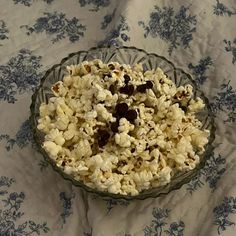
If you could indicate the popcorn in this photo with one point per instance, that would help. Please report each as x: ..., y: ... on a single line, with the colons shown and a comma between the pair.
x: 52, y: 148
x: 123, y: 139
x: 119, y: 129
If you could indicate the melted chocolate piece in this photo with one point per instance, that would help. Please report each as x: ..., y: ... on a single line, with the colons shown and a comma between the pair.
x: 112, y: 89
x: 127, y: 89
x: 103, y: 137
x: 121, y: 109
x: 149, y: 84
x: 131, y: 115
x: 141, y: 88
x: 127, y: 78
x: 114, y: 126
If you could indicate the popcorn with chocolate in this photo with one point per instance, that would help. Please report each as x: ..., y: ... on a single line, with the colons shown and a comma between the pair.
x: 120, y: 129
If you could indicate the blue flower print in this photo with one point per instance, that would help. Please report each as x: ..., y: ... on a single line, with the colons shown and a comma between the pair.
x: 23, y: 137
x: 231, y: 47
x: 118, y: 35
x: 3, y: 31
x: 222, y: 212
x: 108, y: 19
x: 176, y: 229
x: 11, y: 223
x: 221, y: 10
x: 20, y: 74
x: 211, y: 173
x: 5, y: 182
x: 159, y: 224
x: 57, y: 24
x: 28, y: 3
x: 97, y: 4
x: 66, y: 200
x: 225, y: 102
x: 199, y: 70
x: 176, y: 28
x: 110, y: 203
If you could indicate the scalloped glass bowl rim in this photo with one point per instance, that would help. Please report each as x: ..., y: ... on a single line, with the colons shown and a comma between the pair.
x: 153, y: 192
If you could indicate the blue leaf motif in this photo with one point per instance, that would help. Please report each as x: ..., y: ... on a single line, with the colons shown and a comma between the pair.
x: 225, y: 102
x: 97, y: 4
x: 57, y: 24
x: 10, y: 215
x: 176, y: 28
x: 176, y: 229
x: 20, y: 74
x: 221, y: 10
x: 199, y: 70
x: 110, y: 203
x: 158, y: 225
x: 28, y: 3
x: 23, y: 137
x: 3, y: 31
x: 118, y: 35
x: 222, y: 212
x: 107, y: 19
x: 211, y: 173
x: 231, y: 48
x: 66, y: 200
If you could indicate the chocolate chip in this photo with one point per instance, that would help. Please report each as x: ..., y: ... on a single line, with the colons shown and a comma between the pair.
x: 111, y: 66
x: 127, y: 89
x: 141, y: 88
x: 114, y: 126
x: 149, y: 84
x: 127, y: 78
x: 103, y: 137
x: 131, y: 115
x: 121, y: 68
x: 121, y: 108
x: 112, y: 89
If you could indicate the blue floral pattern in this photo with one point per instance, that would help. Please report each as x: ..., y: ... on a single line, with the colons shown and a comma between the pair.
x: 222, y: 213
x: 66, y: 200
x: 231, y: 47
x: 20, y: 74
x: 181, y: 29
x: 23, y: 137
x: 211, y: 174
x: 159, y: 224
x: 97, y: 4
x: 225, y: 102
x: 28, y: 3
x: 110, y: 203
x: 200, y: 69
x: 221, y: 10
x: 118, y: 35
x: 10, y: 213
x: 107, y: 19
x: 3, y: 31
x: 176, y: 28
x: 56, y: 23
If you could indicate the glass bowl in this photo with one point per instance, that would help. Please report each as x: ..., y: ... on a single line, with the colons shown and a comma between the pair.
x: 126, y: 55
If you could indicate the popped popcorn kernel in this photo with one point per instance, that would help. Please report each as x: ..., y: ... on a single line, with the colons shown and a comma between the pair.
x: 120, y: 129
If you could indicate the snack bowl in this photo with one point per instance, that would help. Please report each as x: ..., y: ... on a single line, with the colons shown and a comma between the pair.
x: 131, y: 56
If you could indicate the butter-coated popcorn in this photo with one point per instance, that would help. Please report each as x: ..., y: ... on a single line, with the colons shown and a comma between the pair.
x: 120, y: 129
